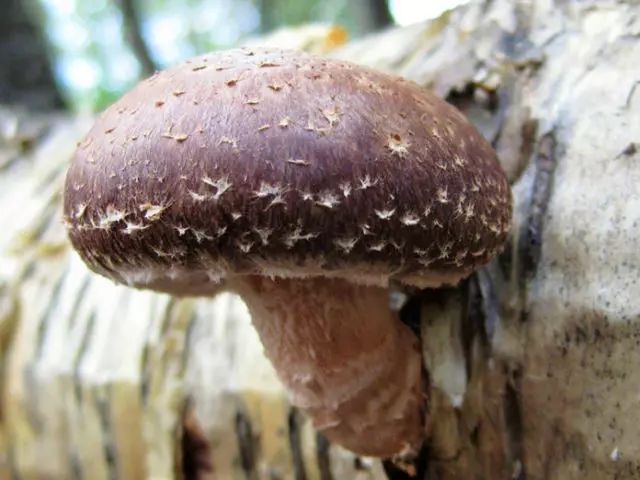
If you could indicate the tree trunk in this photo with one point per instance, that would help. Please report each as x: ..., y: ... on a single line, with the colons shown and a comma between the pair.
x: 26, y: 76
x: 531, y: 361
x: 132, y: 27
x: 380, y: 14
x: 370, y: 15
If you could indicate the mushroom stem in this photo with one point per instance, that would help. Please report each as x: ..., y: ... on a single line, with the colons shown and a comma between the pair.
x: 346, y: 360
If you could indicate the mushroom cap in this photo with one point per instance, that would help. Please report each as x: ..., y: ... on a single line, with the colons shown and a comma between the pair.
x: 281, y: 163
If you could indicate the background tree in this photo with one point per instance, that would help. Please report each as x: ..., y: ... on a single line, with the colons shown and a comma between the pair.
x: 131, y: 24
x: 26, y: 74
x: 101, y: 49
x: 370, y: 15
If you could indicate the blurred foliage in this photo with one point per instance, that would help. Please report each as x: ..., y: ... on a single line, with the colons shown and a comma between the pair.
x: 96, y: 59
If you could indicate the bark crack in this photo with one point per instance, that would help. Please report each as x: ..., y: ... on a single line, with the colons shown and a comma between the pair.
x: 530, y: 244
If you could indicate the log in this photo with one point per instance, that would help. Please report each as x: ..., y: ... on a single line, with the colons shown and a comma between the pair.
x: 531, y: 360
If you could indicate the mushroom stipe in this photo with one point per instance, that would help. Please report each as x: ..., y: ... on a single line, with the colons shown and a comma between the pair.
x: 305, y: 185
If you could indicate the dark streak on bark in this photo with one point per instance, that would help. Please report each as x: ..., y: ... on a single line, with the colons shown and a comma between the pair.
x: 246, y: 445
x: 472, y: 318
x: 167, y: 326
x: 145, y: 377
x: 49, y: 213
x: 108, y: 448
x: 503, y: 101
x: 81, y: 294
x: 34, y: 418
x: 75, y: 466
x: 322, y: 457
x: 293, y: 420
x: 7, y: 330
x: 77, y: 381
x: 12, y: 464
x: 43, y: 323
x: 629, y: 150
x: 631, y: 93
x: 513, y: 422
x: 167, y: 315
x: 490, y: 307
x: 482, y: 312
x: 195, y: 461
x: 410, y: 313
x: 531, y: 239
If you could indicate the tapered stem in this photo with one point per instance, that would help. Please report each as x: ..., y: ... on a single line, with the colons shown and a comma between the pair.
x: 344, y: 357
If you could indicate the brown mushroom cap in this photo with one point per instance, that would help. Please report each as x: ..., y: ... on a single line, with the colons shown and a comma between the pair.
x: 285, y: 164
